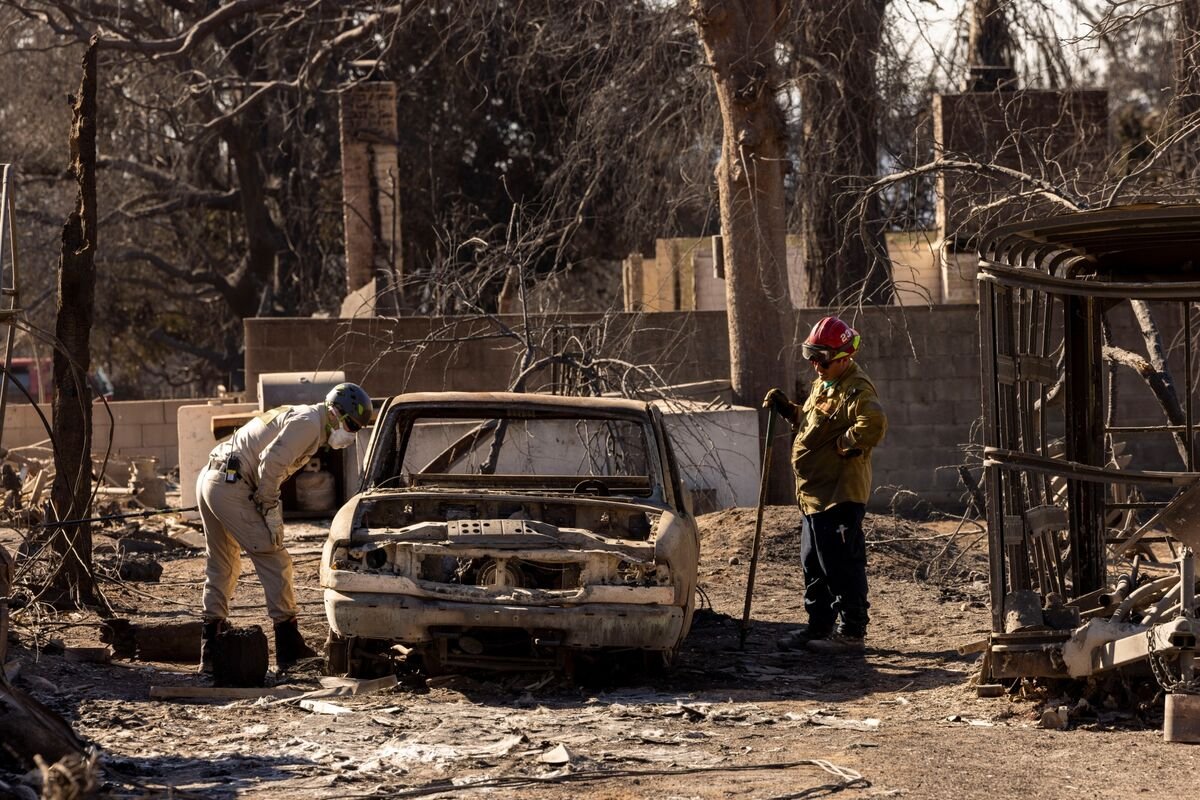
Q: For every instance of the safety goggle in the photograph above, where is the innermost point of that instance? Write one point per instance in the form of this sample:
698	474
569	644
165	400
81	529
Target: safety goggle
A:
821	356
351	425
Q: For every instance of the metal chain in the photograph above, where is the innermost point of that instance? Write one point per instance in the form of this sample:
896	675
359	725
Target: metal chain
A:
1162	673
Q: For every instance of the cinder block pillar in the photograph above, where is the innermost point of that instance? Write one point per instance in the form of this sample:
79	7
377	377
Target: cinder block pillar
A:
1057	136
370	197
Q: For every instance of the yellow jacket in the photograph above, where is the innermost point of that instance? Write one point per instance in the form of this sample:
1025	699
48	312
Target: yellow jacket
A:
834	423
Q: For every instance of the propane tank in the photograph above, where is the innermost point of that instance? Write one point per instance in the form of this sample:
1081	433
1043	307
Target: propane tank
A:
315	489
1181	718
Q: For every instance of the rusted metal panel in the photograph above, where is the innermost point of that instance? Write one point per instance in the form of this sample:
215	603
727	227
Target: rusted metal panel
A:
1014	530
1037	369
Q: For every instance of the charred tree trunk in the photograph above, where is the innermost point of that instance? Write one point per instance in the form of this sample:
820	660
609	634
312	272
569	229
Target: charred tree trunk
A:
73	580
265	242
989	47
845	258
254	287
739	40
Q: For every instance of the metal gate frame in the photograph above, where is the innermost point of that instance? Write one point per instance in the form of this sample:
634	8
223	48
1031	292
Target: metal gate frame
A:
1044	285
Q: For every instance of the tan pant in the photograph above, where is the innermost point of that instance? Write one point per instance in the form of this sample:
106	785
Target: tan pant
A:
231	523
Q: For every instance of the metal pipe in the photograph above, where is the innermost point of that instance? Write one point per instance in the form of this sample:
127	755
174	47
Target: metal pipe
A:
1119	593
1187	583
991	272
1166	608
1015	459
1145	429
1187	600
1143	593
154	512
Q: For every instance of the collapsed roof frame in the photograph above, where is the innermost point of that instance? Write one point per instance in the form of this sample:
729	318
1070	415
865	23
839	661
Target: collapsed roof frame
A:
1044	287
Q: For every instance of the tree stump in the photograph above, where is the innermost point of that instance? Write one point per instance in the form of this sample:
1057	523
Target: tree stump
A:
240	657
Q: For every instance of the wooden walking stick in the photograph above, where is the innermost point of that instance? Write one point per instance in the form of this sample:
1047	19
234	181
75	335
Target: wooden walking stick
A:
758	521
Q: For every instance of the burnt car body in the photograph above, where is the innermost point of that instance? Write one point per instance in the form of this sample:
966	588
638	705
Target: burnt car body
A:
508	530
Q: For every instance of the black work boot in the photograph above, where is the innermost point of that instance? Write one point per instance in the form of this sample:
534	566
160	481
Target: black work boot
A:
799	638
289	645
839	643
212	627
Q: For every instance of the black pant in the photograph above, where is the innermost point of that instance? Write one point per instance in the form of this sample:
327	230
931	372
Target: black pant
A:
834	553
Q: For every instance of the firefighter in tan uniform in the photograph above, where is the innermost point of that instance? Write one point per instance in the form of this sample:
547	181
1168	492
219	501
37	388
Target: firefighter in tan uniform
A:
238	495
836	429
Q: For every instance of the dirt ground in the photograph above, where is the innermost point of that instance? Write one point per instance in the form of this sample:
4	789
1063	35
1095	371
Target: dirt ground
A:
724	722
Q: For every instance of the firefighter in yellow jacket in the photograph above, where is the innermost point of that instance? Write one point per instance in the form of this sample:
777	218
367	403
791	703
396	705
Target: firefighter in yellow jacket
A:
238	495
836	429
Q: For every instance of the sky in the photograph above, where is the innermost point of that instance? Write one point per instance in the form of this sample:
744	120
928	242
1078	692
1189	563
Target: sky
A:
930	27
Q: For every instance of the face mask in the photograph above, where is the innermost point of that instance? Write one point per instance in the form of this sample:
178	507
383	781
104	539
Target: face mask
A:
340	438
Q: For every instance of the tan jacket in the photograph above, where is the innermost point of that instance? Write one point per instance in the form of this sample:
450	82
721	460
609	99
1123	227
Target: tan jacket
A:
274	446
836	419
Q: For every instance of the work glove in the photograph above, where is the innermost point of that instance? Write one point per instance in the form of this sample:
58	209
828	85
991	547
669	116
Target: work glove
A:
846	449
274	519
778	402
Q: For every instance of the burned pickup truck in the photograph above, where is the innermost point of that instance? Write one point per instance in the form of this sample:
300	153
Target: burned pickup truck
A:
510	531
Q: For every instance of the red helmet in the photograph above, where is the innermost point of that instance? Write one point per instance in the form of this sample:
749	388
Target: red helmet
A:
829	340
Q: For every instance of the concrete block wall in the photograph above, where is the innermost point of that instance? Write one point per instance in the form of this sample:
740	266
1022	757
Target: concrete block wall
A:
421	354
924	361
925	364
680	276
138	428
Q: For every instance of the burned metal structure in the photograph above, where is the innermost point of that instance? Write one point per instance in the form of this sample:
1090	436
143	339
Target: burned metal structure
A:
1070	496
